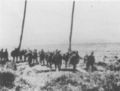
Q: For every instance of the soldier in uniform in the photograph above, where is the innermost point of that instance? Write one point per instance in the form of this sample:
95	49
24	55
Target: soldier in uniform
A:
90	61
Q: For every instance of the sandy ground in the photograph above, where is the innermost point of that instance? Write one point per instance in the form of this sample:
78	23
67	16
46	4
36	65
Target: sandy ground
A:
37	77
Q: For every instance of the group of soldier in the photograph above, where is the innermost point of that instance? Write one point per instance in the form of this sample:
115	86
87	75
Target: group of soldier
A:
90	61
3	55
49	59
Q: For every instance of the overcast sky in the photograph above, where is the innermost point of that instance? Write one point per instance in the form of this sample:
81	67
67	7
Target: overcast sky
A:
48	22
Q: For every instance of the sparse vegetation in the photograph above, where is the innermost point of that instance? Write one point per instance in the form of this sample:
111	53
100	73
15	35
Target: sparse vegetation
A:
7	79
94	82
61	81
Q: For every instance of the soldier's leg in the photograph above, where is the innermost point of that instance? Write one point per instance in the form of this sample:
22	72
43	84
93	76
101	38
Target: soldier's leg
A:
55	66
65	64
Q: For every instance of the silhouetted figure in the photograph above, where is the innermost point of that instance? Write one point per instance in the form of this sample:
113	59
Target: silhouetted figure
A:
57	60
42	56
49	58
6	55
35	57
22	54
25	55
66	58
15	54
1	55
30	58
90	61
74	59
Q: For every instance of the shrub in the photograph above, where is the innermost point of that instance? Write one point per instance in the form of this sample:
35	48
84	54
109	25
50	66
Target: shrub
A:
7	79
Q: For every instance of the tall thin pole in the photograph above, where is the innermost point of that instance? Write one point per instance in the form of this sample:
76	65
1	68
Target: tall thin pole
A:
71	28
23	24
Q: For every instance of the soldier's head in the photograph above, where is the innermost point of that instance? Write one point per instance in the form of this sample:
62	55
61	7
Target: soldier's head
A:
92	53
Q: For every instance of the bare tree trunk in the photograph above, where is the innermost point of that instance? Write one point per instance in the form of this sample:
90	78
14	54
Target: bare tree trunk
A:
71	29
23	24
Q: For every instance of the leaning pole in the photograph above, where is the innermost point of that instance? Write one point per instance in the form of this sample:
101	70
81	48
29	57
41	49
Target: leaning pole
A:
23	24
71	28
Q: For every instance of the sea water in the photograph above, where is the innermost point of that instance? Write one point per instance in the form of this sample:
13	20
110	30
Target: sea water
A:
100	49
